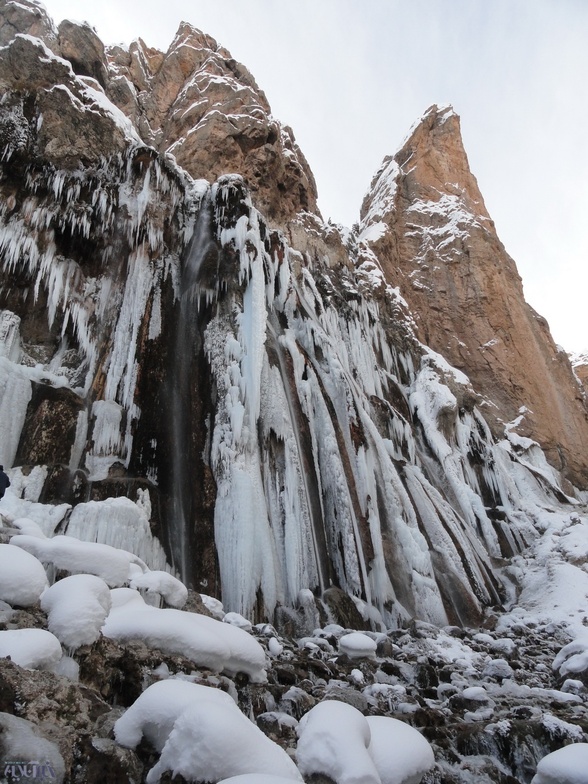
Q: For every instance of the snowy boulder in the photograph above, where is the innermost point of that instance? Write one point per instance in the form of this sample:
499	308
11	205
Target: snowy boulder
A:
22	576
27	526
400	753
207	642
73	555
333	740
155	711
22	745
214	606
573	658
77	607
256	778
34	649
357	645
568	765
166	585
236	619
212	741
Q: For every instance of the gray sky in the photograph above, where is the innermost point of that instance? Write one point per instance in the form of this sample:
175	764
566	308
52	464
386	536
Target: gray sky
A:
351	77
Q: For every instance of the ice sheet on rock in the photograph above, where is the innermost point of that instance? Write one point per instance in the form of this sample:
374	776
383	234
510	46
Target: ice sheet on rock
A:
34	649
333	739
22	577
120	523
15	394
400	753
197	747
155	711
77	607
46	516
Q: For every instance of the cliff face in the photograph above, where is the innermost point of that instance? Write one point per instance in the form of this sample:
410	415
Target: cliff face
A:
245	376
425	219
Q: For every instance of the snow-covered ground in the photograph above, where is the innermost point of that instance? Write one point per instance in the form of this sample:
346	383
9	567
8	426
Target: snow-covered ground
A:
487	670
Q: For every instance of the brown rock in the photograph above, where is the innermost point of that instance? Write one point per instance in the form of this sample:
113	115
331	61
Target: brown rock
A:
53	111
79	43
27	17
197	103
440	246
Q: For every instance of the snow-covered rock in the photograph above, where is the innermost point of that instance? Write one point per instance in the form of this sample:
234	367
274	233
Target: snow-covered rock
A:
206	641
400	753
333	740
22	576
77	607
155	711
35	649
357	645
212	741
568	765
73	555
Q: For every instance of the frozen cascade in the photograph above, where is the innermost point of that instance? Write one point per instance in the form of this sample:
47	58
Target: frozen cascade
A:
311	513
335	456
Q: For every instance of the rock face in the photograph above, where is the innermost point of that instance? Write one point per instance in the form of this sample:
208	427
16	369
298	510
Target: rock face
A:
243	375
198	104
425	219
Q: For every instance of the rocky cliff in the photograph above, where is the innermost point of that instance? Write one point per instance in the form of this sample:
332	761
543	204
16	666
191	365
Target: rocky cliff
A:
425	219
283	403
330	430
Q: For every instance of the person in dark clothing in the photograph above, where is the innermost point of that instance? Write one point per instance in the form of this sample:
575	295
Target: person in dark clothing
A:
4	481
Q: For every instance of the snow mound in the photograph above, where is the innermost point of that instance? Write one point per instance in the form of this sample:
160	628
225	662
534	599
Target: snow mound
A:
400	753
573	657
207	642
211	741
73	555
170	588
564	766
34	649
22	577
333	739
357	645
155	711
256	778
77	607
27	526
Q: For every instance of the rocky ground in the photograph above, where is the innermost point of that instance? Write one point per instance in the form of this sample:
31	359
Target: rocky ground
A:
487	699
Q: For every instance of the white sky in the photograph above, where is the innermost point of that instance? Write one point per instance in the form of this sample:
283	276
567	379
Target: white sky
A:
351	77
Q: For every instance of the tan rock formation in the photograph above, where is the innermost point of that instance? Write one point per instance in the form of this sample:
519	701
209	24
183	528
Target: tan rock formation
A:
29	17
197	103
425	219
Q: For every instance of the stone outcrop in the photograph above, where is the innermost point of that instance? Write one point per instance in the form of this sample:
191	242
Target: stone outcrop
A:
200	105
425	219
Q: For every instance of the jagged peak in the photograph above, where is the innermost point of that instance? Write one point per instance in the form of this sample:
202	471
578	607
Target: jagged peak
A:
188	34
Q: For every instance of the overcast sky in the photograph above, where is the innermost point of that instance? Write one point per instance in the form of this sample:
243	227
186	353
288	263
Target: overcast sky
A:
351	77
